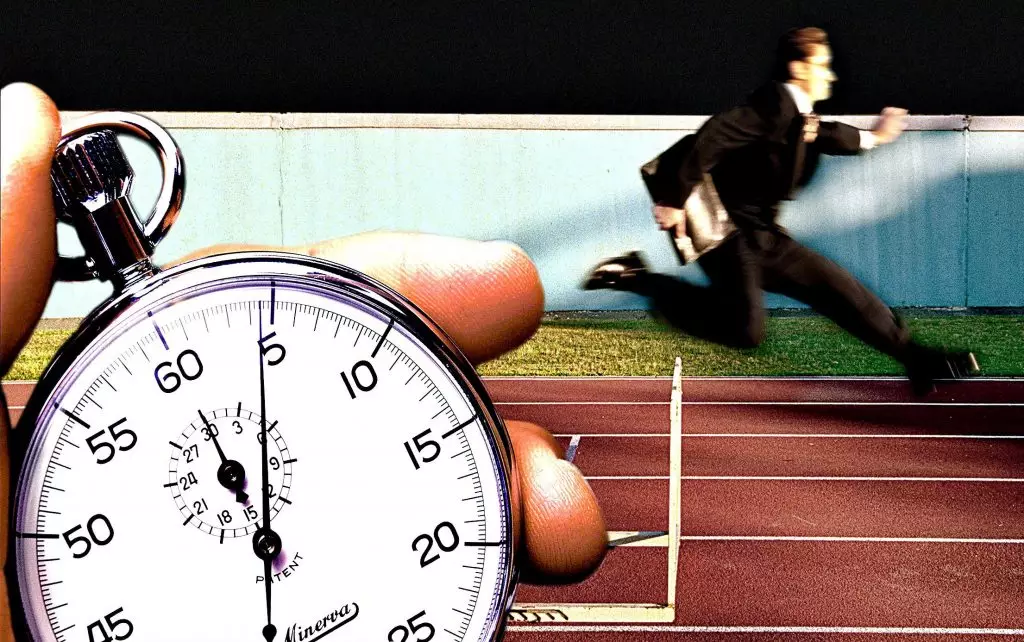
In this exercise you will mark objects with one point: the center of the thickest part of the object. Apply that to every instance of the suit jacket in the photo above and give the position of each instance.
(755, 154)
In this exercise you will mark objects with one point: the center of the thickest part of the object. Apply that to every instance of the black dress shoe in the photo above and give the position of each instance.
(617, 273)
(931, 365)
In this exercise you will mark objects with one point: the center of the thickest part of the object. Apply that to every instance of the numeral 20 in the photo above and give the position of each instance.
(447, 548)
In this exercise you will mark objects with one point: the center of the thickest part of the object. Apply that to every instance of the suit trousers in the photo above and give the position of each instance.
(730, 310)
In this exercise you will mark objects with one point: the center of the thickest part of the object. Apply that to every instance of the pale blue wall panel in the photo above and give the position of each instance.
(995, 274)
(567, 197)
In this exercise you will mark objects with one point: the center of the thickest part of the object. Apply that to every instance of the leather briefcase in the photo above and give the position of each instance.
(706, 222)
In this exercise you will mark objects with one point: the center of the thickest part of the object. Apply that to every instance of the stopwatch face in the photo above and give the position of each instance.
(140, 509)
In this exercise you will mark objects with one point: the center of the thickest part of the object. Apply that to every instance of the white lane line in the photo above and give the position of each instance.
(582, 402)
(915, 404)
(781, 379)
(809, 630)
(570, 452)
(983, 480)
(809, 538)
(746, 435)
(723, 379)
(740, 403)
(596, 379)
(660, 539)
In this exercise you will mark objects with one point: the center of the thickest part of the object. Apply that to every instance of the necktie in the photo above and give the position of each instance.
(811, 121)
(808, 135)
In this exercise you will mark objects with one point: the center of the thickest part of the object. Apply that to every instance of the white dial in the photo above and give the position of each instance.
(141, 512)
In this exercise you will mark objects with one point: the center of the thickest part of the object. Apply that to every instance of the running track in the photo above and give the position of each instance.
(811, 508)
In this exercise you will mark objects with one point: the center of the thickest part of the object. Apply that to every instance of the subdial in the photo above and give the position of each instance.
(215, 472)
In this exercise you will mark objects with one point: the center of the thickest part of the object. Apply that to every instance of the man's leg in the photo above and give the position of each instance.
(729, 311)
(797, 271)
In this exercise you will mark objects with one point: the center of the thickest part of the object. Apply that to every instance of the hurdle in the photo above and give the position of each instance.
(626, 612)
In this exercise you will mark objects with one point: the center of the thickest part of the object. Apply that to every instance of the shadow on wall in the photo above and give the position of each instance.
(953, 242)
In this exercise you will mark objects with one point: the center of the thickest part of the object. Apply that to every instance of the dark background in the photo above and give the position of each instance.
(547, 56)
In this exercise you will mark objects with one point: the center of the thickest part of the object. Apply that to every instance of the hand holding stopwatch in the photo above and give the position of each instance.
(399, 518)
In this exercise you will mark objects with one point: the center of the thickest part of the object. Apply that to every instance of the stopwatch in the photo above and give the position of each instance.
(250, 446)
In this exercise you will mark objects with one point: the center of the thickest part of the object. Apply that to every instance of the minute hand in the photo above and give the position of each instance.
(230, 473)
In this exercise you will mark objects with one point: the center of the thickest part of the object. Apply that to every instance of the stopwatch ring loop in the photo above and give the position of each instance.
(172, 190)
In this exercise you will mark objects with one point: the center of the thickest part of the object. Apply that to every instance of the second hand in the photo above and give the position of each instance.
(266, 543)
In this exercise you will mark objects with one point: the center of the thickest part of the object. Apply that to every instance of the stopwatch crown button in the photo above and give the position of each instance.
(91, 179)
(90, 171)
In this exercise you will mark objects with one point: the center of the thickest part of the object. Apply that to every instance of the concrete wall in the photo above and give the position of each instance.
(931, 220)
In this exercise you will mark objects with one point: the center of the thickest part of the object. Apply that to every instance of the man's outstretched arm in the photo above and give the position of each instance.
(839, 139)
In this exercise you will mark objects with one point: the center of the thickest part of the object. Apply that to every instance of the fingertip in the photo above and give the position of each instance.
(564, 535)
(487, 295)
(30, 127)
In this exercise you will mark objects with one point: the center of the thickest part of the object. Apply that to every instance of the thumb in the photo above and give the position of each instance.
(29, 130)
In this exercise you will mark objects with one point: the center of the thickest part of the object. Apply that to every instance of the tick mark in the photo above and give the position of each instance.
(158, 332)
(459, 427)
(73, 417)
(273, 300)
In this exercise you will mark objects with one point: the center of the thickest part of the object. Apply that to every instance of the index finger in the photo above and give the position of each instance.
(487, 295)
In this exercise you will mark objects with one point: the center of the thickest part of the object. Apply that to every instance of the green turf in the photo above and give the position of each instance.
(37, 353)
(795, 345)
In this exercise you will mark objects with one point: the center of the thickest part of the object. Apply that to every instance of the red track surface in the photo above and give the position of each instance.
(811, 508)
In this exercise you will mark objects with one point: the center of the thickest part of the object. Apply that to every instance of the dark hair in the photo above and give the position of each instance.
(796, 44)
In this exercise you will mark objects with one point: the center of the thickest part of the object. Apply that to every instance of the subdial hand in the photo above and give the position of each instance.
(230, 473)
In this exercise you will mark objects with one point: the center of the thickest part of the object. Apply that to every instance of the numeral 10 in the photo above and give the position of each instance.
(364, 382)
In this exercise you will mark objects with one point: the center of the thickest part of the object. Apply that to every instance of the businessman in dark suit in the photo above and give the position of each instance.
(757, 155)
